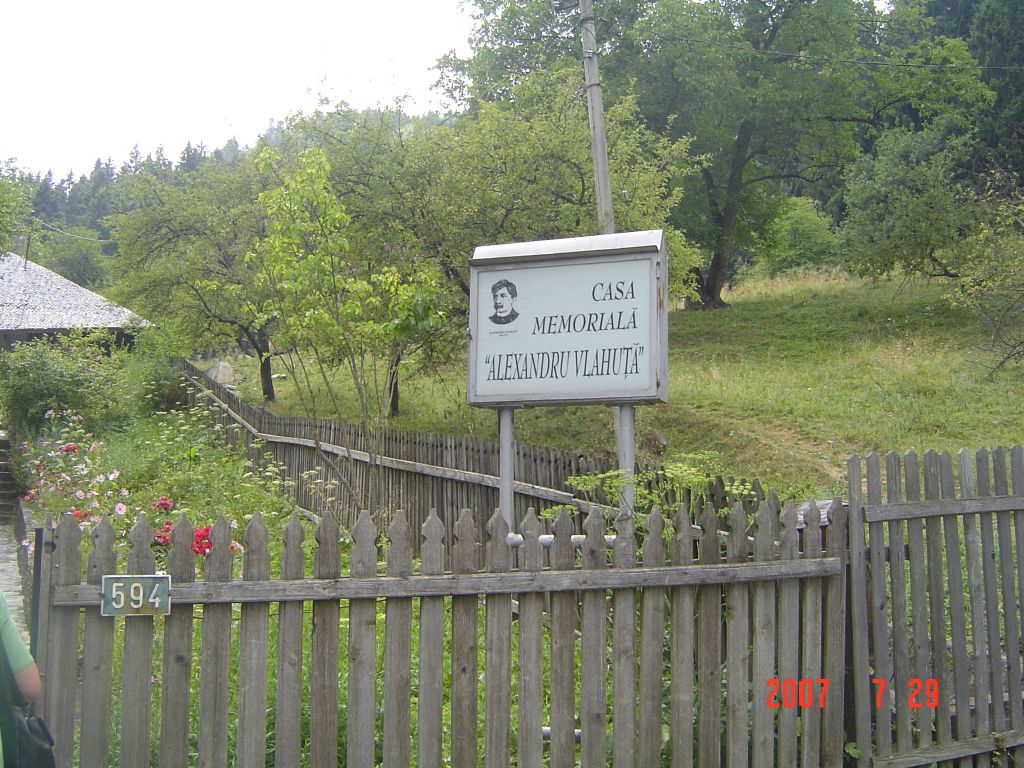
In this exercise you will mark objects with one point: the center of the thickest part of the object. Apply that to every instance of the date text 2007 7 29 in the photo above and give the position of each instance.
(806, 692)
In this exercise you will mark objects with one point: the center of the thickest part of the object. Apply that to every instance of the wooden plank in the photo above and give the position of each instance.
(683, 646)
(832, 733)
(137, 668)
(288, 700)
(1017, 485)
(737, 648)
(961, 749)
(216, 646)
(531, 659)
(176, 691)
(361, 708)
(563, 634)
(253, 641)
(1011, 632)
(83, 596)
(875, 513)
(937, 603)
(431, 650)
(709, 649)
(98, 649)
(62, 643)
(464, 650)
(593, 669)
(900, 616)
(879, 619)
(957, 609)
(789, 636)
(763, 746)
(811, 664)
(623, 646)
(652, 639)
(398, 650)
(982, 585)
(498, 669)
(990, 580)
(924, 718)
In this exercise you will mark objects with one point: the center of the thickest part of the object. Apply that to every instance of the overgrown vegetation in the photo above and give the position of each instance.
(795, 375)
(103, 432)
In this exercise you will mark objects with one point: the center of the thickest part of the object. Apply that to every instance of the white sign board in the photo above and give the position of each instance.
(578, 320)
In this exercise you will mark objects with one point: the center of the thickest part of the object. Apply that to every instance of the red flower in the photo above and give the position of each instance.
(163, 503)
(80, 515)
(201, 543)
(163, 534)
(68, 448)
(30, 496)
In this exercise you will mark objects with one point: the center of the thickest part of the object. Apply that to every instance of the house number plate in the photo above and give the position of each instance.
(136, 595)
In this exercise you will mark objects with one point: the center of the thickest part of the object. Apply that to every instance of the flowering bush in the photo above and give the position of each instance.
(67, 477)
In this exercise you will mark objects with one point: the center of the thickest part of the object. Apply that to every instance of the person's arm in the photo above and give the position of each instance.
(29, 682)
(26, 673)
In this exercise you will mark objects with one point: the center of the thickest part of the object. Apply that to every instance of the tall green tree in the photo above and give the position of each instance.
(997, 41)
(522, 170)
(14, 207)
(951, 18)
(330, 308)
(181, 254)
(769, 90)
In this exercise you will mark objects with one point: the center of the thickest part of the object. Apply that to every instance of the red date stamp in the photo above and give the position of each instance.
(919, 690)
(789, 693)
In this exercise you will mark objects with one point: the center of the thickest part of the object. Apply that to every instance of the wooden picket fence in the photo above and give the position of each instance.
(413, 471)
(936, 612)
(720, 643)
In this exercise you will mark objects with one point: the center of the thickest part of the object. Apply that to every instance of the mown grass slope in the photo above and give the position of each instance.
(784, 384)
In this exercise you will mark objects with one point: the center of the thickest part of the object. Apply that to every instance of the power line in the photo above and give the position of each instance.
(77, 237)
(829, 60)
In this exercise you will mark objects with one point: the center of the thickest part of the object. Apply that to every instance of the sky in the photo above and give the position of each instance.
(82, 81)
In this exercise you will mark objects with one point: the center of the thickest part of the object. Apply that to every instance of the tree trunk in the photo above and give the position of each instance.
(726, 217)
(393, 384)
(262, 344)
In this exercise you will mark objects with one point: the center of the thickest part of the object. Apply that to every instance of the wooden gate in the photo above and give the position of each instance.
(681, 645)
(936, 607)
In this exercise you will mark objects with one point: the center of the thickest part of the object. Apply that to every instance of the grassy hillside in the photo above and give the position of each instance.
(784, 384)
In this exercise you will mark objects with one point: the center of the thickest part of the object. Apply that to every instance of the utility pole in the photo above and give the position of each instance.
(595, 110)
(625, 422)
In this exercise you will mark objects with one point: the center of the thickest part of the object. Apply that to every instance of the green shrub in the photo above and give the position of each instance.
(800, 237)
(76, 372)
(152, 377)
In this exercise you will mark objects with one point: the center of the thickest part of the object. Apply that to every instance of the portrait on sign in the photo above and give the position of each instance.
(504, 294)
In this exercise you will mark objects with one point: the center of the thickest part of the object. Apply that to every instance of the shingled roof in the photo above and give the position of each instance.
(34, 298)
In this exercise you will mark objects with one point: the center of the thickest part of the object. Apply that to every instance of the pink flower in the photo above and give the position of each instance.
(123, 491)
(114, 475)
(79, 494)
(120, 509)
(163, 503)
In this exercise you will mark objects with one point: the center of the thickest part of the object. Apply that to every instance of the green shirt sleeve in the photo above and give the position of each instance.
(14, 645)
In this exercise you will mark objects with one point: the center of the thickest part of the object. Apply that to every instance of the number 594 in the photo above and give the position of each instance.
(135, 595)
